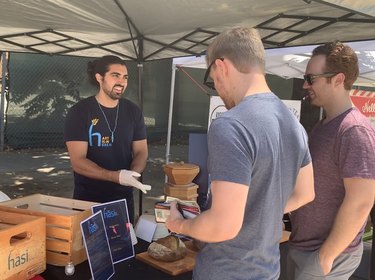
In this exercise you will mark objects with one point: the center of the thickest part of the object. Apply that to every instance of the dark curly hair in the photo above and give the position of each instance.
(340, 58)
(101, 66)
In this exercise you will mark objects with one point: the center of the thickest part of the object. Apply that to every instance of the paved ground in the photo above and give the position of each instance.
(49, 172)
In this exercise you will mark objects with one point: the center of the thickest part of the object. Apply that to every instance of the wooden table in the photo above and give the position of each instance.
(136, 268)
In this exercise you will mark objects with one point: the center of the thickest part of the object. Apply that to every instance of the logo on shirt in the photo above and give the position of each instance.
(96, 138)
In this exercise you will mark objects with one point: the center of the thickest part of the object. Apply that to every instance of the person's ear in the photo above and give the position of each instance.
(339, 79)
(222, 66)
(99, 78)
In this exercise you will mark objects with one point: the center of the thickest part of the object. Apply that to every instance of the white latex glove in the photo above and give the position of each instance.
(129, 178)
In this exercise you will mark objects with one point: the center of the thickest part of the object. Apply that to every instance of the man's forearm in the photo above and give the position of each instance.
(139, 163)
(90, 169)
(303, 191)
(207, 228)
(348, 223)
(293, 203)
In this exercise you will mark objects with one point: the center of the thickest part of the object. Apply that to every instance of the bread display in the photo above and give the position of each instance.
(167, 249)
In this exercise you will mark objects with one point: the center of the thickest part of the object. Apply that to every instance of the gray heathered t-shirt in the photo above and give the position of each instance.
(261, 144)
(341, 148)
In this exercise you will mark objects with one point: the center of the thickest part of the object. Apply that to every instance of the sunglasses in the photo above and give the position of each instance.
(210, 84)
(309, 78)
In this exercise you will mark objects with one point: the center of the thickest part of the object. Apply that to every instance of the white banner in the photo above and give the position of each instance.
(217, 107)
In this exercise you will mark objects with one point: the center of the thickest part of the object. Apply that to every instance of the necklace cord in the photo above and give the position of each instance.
(106, 120)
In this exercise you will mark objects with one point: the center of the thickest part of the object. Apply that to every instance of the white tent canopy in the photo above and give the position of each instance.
(287, 63)
(291, 62)
(148, 30)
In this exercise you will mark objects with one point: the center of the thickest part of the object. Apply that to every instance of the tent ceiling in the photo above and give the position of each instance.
(291, 62)
(149, 29)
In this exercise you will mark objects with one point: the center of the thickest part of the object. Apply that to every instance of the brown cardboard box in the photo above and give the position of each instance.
(22, 245)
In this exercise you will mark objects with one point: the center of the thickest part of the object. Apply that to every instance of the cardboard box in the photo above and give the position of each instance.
(22, 246)
(64, 241)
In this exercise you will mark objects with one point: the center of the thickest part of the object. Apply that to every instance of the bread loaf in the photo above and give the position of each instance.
(167, 249)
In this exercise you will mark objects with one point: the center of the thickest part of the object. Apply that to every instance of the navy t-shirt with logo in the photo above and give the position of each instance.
(86, 122)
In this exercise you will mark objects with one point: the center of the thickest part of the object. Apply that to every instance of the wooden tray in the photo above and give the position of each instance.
(187, 263)
(172, 268)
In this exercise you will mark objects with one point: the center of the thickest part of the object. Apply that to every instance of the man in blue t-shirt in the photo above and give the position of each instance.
(259, 166)
(106, 138)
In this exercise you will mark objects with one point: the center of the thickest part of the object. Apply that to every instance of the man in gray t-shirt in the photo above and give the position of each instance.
(259, 166)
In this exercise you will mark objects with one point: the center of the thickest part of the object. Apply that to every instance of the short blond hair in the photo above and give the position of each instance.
(242, 46)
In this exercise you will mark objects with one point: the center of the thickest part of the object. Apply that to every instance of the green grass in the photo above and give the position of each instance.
(368, 235)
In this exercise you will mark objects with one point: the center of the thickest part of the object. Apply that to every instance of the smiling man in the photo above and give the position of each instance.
(106, 138)
(326, 240)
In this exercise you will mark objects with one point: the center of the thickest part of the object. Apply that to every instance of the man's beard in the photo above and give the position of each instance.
(113, 95)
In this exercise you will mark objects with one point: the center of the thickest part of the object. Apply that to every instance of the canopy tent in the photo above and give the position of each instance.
(148, 30)
(142, 31)
(284, 62)
(291, 62)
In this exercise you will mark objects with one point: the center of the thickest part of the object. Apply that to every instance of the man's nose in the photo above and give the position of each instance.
(305, 85)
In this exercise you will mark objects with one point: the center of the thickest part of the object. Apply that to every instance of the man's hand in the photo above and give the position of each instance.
(325, 263)
(129, 178)
(175, 219)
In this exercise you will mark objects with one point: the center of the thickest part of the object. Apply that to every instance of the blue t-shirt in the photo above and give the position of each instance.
(261, 144)
(86, 122)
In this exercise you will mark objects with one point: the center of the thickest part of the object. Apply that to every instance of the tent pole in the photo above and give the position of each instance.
(167, 155)
(140, 85)
(140, 100)
(2, 101)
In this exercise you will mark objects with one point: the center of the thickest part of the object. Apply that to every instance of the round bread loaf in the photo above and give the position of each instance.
(168, 249)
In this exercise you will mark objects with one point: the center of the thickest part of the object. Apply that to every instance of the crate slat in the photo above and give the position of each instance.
(56, 245)
(57, 258)
(59, 233)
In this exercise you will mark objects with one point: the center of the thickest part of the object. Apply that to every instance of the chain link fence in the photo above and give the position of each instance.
(42, 88)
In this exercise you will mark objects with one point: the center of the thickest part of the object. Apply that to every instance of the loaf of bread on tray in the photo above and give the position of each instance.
(167, 249)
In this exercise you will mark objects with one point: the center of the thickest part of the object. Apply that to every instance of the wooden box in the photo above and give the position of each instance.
(181, 173)
(64, 242)
(22, 245)
(184, 192)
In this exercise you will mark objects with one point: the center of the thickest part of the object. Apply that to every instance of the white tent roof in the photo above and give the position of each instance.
(291, 62)
(149, 29)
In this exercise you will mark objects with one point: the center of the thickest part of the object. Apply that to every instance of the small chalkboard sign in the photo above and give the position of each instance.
(97, 247)
(117, 224)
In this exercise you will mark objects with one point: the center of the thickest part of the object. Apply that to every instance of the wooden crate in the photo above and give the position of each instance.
(22, 245)
(64, 241)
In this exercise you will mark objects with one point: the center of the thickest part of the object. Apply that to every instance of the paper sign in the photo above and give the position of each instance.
(294, 106)
(146, 227)
(97, 247)
(217, 107)
(366, 104)
(116, 220)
